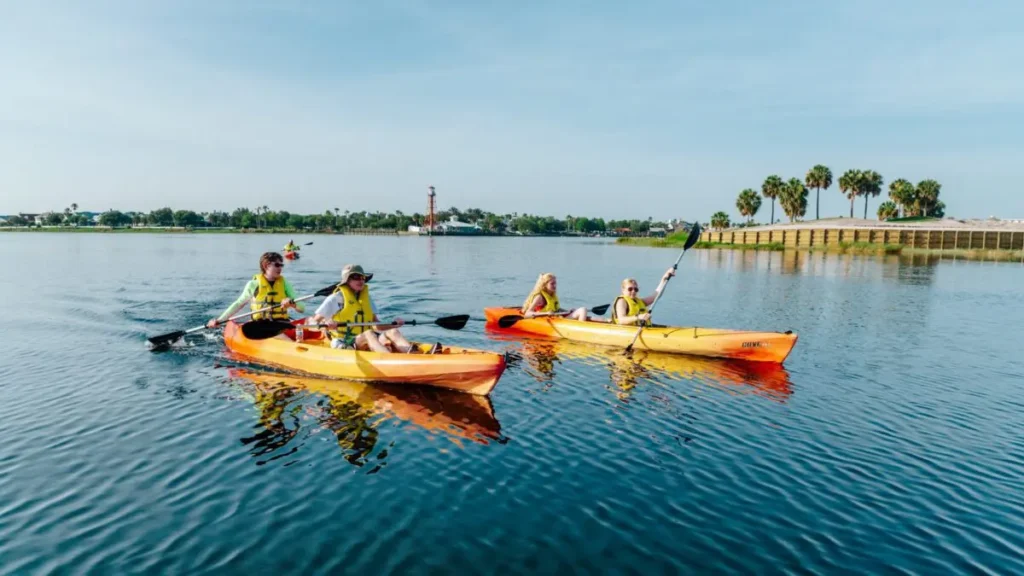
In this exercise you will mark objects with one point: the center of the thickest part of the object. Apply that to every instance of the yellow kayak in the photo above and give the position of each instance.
(709, 342)
(462, 369)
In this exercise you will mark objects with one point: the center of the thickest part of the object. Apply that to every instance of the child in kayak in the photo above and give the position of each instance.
(629, 308)
(351, 303)
(543, 300)
(268, 288)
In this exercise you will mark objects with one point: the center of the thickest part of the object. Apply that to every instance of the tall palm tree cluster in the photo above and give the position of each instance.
(905, 198)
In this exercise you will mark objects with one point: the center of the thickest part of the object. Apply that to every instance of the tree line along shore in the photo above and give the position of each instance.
(263, 219)
(905, 198)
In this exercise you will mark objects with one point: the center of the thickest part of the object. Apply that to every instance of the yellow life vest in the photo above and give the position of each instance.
(268, 295)
(635, 306)
(550, 301)
(355, 308)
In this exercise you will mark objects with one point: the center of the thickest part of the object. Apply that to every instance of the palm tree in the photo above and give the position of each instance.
(818, 177)
(849, 184)
(902, 193)
(927, 196)
(719, 220)
(793, 199)
(771, 188)
(888, 210)
(748, 204)
(871, 185)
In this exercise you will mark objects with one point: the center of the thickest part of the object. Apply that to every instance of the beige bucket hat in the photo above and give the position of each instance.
(351, 269)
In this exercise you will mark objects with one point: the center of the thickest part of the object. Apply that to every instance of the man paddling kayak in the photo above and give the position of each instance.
(268, 288)
(629, 308)
(291, 247)
(351, 303)
(543, 300)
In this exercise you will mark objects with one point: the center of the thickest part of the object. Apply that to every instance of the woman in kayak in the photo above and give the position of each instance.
(351, 303)
(629, 308)
(266, 289)
(543, 300)
(291, 247)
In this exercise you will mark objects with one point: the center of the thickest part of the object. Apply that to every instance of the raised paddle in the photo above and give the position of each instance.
(166, 339)
(263, 329)
(691, 239)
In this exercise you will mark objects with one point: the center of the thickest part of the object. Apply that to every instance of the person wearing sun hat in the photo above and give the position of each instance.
(351, 303)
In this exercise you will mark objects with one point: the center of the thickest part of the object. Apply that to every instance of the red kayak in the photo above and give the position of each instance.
(291, 255)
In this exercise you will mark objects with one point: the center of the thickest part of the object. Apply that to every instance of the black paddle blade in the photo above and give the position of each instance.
(326, 290)
(263, 329)
(509, 321)
(453, 322)
(308, 244)
(599, 310)
(165, 339)
(692, 237)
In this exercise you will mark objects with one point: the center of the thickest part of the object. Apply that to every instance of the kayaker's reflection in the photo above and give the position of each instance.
(353, 412)
(627, 372)
(540, 358)
(273, 432)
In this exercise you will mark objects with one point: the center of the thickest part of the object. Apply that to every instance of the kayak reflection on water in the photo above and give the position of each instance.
(354, 411)
(627, 371)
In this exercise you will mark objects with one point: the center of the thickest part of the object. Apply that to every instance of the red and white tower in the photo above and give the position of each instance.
(431, 210)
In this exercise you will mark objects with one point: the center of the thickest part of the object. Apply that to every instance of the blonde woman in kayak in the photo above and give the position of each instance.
(629, 308)
(543, 300)
(268, 288)
(351, 303)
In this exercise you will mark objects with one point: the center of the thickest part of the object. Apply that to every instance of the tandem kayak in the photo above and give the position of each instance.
(462, 369)
(291, 255)
(709, 342)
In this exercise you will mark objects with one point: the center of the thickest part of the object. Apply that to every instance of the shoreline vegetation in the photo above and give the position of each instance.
(858, 248)
(472, 221)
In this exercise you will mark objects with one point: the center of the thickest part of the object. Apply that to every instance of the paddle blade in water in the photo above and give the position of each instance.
(508, 321)
(263, 329)
(453, 322)
(165, 340)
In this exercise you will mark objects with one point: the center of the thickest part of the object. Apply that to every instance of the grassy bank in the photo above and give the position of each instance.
(858, 248)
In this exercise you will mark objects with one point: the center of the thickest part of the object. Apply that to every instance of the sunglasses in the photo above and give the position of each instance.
(277, 264)
(358, 277)
(632, 289)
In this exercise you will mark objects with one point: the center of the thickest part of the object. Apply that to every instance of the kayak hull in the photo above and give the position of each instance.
(462, 369)
(291, 255)
(707, 342)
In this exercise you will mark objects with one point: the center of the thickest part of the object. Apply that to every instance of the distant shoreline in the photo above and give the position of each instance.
(295, 232)
(859, 248)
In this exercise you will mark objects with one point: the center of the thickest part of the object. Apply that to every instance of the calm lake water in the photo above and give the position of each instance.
(893, 440)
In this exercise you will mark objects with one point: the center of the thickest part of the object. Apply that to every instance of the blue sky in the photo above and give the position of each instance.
(664, 109)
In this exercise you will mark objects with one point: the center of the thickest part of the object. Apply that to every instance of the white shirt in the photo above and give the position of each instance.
(335, 302)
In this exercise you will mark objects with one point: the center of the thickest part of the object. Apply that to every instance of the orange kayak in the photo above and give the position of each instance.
(462, 369)
(709, 342)
(291, 255)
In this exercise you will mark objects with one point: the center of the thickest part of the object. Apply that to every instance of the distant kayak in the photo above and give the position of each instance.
(462, 369)
(291, 255)
(708, 342)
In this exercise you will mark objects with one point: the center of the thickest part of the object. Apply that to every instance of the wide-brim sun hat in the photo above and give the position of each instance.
(353, 269)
